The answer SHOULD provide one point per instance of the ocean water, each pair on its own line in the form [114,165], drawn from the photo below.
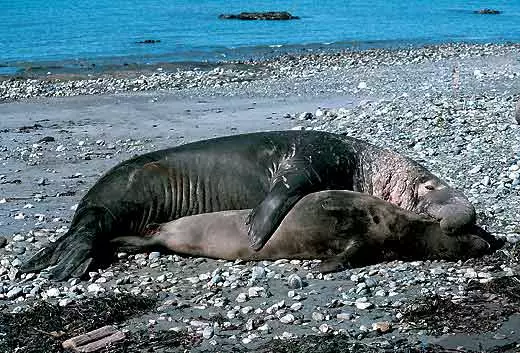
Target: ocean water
[57,33]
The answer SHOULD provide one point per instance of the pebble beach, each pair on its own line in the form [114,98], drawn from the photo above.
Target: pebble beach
[451,107]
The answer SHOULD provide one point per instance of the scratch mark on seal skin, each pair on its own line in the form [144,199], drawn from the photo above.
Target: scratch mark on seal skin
[131,178]
[285,183]
[273,169]
[284,161]
[292,152]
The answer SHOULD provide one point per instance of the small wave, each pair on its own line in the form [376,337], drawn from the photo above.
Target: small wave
[275,45]
[9,70]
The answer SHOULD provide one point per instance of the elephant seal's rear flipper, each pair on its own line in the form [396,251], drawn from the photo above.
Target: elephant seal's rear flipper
[70,256]
[135,243]
[82,247]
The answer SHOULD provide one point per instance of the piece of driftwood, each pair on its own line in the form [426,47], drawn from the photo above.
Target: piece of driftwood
[94,340]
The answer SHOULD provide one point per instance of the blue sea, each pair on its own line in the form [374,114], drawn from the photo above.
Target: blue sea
[52,34]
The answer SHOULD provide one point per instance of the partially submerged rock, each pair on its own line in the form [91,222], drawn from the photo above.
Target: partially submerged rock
[271,15]
[487,12]
[149,41]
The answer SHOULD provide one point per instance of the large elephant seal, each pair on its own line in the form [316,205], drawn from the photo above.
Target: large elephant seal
[266,171]
[344,228]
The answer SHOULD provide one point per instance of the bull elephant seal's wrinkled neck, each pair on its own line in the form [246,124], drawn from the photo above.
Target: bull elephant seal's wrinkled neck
[407,184]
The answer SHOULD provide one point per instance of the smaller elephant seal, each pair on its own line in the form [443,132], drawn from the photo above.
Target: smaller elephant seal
[343,228]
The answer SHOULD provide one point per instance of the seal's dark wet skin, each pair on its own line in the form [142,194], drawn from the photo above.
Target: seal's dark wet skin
[267,171]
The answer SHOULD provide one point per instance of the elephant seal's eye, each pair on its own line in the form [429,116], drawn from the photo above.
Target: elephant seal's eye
[429,187]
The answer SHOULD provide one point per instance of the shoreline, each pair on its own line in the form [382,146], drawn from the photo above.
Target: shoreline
[221,56]
[174,77]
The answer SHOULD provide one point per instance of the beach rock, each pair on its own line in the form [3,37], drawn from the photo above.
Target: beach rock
[207,333]
[13,293]
[271,15]
[363,305]
[295,282]
[257,272]
[324,328]
[43,181]
[287,319]
[53,292]
[3,241]
[317,316]
[296,306]
[381,326]
[305,116]
[47,139]
[517,112]
[344,316]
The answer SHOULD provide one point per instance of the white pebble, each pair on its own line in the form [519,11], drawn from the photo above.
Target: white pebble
[53,292]
[94,287]
[296,306]
[287,319]
[207,333]
[242,297]
[363,305]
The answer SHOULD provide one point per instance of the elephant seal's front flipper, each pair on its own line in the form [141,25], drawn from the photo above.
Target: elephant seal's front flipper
[343,260]
[494,243]
[294,179]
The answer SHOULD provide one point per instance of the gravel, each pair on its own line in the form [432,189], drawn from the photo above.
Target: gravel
[312,74]
[450,107]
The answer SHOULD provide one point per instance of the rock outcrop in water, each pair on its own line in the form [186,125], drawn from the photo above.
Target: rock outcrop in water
[149,41]
[487,12]
[271,15]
